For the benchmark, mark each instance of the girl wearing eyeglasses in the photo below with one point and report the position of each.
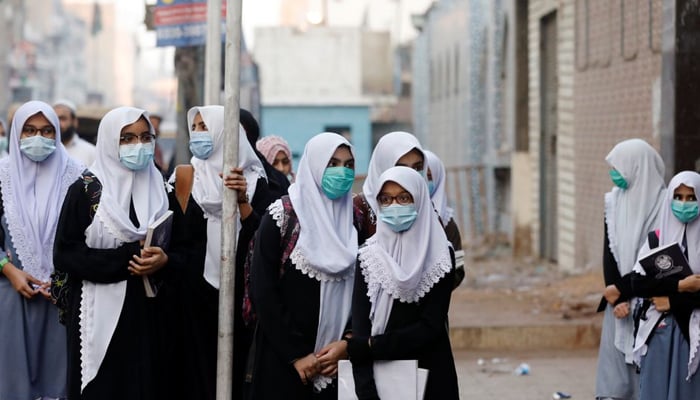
(393, 149)
(34, 179)
(112, 339)
(402, 289)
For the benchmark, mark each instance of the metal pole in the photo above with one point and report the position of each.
(224, 364)
(212, 66)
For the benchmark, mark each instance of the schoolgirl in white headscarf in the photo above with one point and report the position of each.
(207, 188)
(632, 209)
(403, 286)
(197, 254)
(34, 179)
(303, 305)
(668, 339)
(391, 150)
(104, 220)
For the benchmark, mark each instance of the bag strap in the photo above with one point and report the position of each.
(184, 175)
(290, 231)
(653, 238)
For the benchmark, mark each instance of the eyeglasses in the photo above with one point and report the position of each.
(29, 130)
(402, 198)
(133, 139)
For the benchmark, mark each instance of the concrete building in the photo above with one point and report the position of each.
(323, 79)
(462, 91)
(540, 93)
(109, 54)
(33, 64)
(64, 49)
(594, 81)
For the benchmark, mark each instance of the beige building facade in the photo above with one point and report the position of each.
(597, 84)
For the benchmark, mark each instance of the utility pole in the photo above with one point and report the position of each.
(224, 362)
(5, 33)
(212, 66)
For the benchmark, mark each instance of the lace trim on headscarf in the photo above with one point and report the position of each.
(377, 275)
(24, 249)
(86, 325)
(109, 224)
(303, 265)
(276, 210)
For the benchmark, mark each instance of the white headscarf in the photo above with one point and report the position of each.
(672, 231)
(101, 304)
(327, 246)
(632, 213)
(386, 154)
(207, 188)
(405, 265)
(439, 197)
(33, 193)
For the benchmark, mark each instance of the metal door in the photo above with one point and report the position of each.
(549, 86)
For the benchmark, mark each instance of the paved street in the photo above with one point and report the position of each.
(572, 372)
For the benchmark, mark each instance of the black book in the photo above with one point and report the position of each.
(158, 235)
(666, 262)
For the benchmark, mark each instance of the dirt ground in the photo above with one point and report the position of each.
(501, 290)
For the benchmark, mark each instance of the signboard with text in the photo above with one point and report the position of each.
(182, 23)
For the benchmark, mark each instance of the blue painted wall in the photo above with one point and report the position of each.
(297, 124)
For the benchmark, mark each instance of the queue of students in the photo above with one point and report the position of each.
(322, 274)
(77, 322)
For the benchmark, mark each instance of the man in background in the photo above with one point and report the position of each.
(77, 147)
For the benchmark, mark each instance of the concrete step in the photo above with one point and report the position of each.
(570, 335)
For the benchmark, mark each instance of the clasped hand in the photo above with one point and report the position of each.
(324, 362)
(152, 259)
(25, 284)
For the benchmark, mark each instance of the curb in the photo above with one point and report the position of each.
(562, 336)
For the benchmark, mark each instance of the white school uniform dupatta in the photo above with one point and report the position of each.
(101, 304)
(326, 249)
(33, 193)
(405, 265)
(631, 214)
(207, 187)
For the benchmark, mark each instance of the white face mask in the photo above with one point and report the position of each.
(37, 148)
(136, 156)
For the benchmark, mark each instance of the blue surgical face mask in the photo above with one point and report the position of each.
(37, 148)
(3, 143)
(431, 188)
(399, 217)
(201, 144)
(337, 181)
(618, 179)
(685, 211)
(136, 156)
